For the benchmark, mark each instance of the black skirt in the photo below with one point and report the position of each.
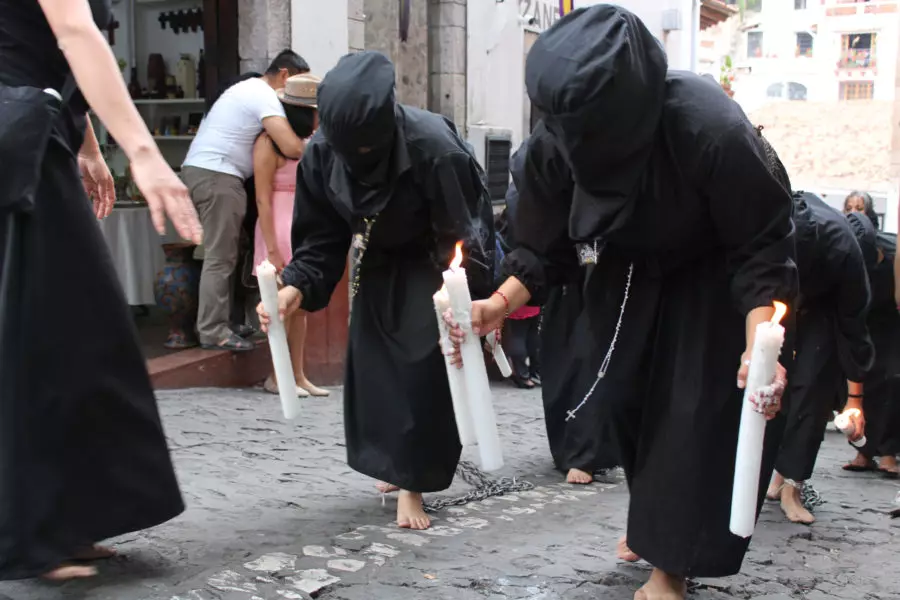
(83, 456)
(569, 367)
(398, 413)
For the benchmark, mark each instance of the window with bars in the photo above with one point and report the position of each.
(804, 44)
(754, 44)
(497, 152)
(857, 90)
(858, 51)
(799, 4)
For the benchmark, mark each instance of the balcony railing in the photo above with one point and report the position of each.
(857, 59)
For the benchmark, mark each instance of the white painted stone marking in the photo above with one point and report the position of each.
(519, 510)
(272, 563)
(351, 536)
(323, 552)
(382, 550)
(505, 518)
(289, 594)
(442, 531)
(347, 565)
(312, 580)
(230, 581)
(410, 539)
(470, 522)
(455, 510)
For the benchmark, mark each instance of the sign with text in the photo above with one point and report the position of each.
(542, 13)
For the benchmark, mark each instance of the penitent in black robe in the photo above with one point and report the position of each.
(83, 455)
(669, 177)
(833, 342)
(570, 361)
(398, 414)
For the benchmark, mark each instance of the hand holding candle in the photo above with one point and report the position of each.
(760, 392)
(477, 388)
(848, 423)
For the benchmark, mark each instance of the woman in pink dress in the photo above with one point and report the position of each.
(276, 178)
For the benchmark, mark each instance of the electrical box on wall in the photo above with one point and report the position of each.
(671, 20)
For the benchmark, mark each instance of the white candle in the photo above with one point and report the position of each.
(278, 346)
(763, 363)
(478, 390)
(842, 422)
(499, 356)
(455, 376)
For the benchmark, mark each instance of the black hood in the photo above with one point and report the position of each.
(866, 236)
(598, 76)
(357, 109)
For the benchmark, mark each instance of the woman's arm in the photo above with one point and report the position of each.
(90, 147)
(265, 162)
(100, 81)
(97, 73)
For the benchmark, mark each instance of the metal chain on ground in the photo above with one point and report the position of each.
(484, 487)
(810, 497)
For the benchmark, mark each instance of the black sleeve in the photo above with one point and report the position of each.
(461, 210)
(544, 255)
(852, 298)
(319, 236)
(752, 216)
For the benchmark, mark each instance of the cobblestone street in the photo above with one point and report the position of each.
(274, 513)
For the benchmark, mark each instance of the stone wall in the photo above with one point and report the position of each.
(356, 24)
(382, 33)
(447, 59)
(264, 30)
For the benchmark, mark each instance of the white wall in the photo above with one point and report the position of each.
(495, 74)
(319, 32)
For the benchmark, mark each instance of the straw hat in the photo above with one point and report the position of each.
(300, 90)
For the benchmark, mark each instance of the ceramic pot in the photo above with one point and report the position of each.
(177, 288)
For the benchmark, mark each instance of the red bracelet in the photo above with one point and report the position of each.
(505, 301)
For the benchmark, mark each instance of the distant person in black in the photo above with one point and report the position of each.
(83, 455)
(883, 380)
(663, 180)
(833, 344)
(401, 184)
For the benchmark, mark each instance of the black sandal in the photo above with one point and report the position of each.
(522, 382)
(243, 331)
(233, 343)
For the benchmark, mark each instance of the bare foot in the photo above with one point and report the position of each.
(94, 552)
(312, 390)
(410, 513)
(624, 552)
(662, 586)
(888, 466)
(579, 477)
(793, 508)
(774, 491)
(68, 572)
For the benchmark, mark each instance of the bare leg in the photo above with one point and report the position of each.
(775, 487)
(271, 383)
(792, 506)
(888, 464)
(662, 586)
(579, 477)
(297, 343)
(624, 552)
(410, 512)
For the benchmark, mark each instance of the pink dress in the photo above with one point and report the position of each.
(282, 211)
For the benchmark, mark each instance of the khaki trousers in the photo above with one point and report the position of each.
(221, 203)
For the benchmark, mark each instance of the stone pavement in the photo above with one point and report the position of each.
(274, 513)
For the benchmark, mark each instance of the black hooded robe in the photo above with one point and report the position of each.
(882, 384)
(833, 342)
(398, 414)
(83, 456)
(570, 361)
(670, 180)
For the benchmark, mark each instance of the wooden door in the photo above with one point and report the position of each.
(220, 41)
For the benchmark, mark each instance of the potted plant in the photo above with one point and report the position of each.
(726, 76)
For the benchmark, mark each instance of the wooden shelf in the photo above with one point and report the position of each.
(174, 138)
(150, 101)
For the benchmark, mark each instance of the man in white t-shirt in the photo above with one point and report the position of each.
(219, 161)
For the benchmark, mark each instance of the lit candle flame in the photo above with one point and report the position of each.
(457, 258)
(780, 311)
